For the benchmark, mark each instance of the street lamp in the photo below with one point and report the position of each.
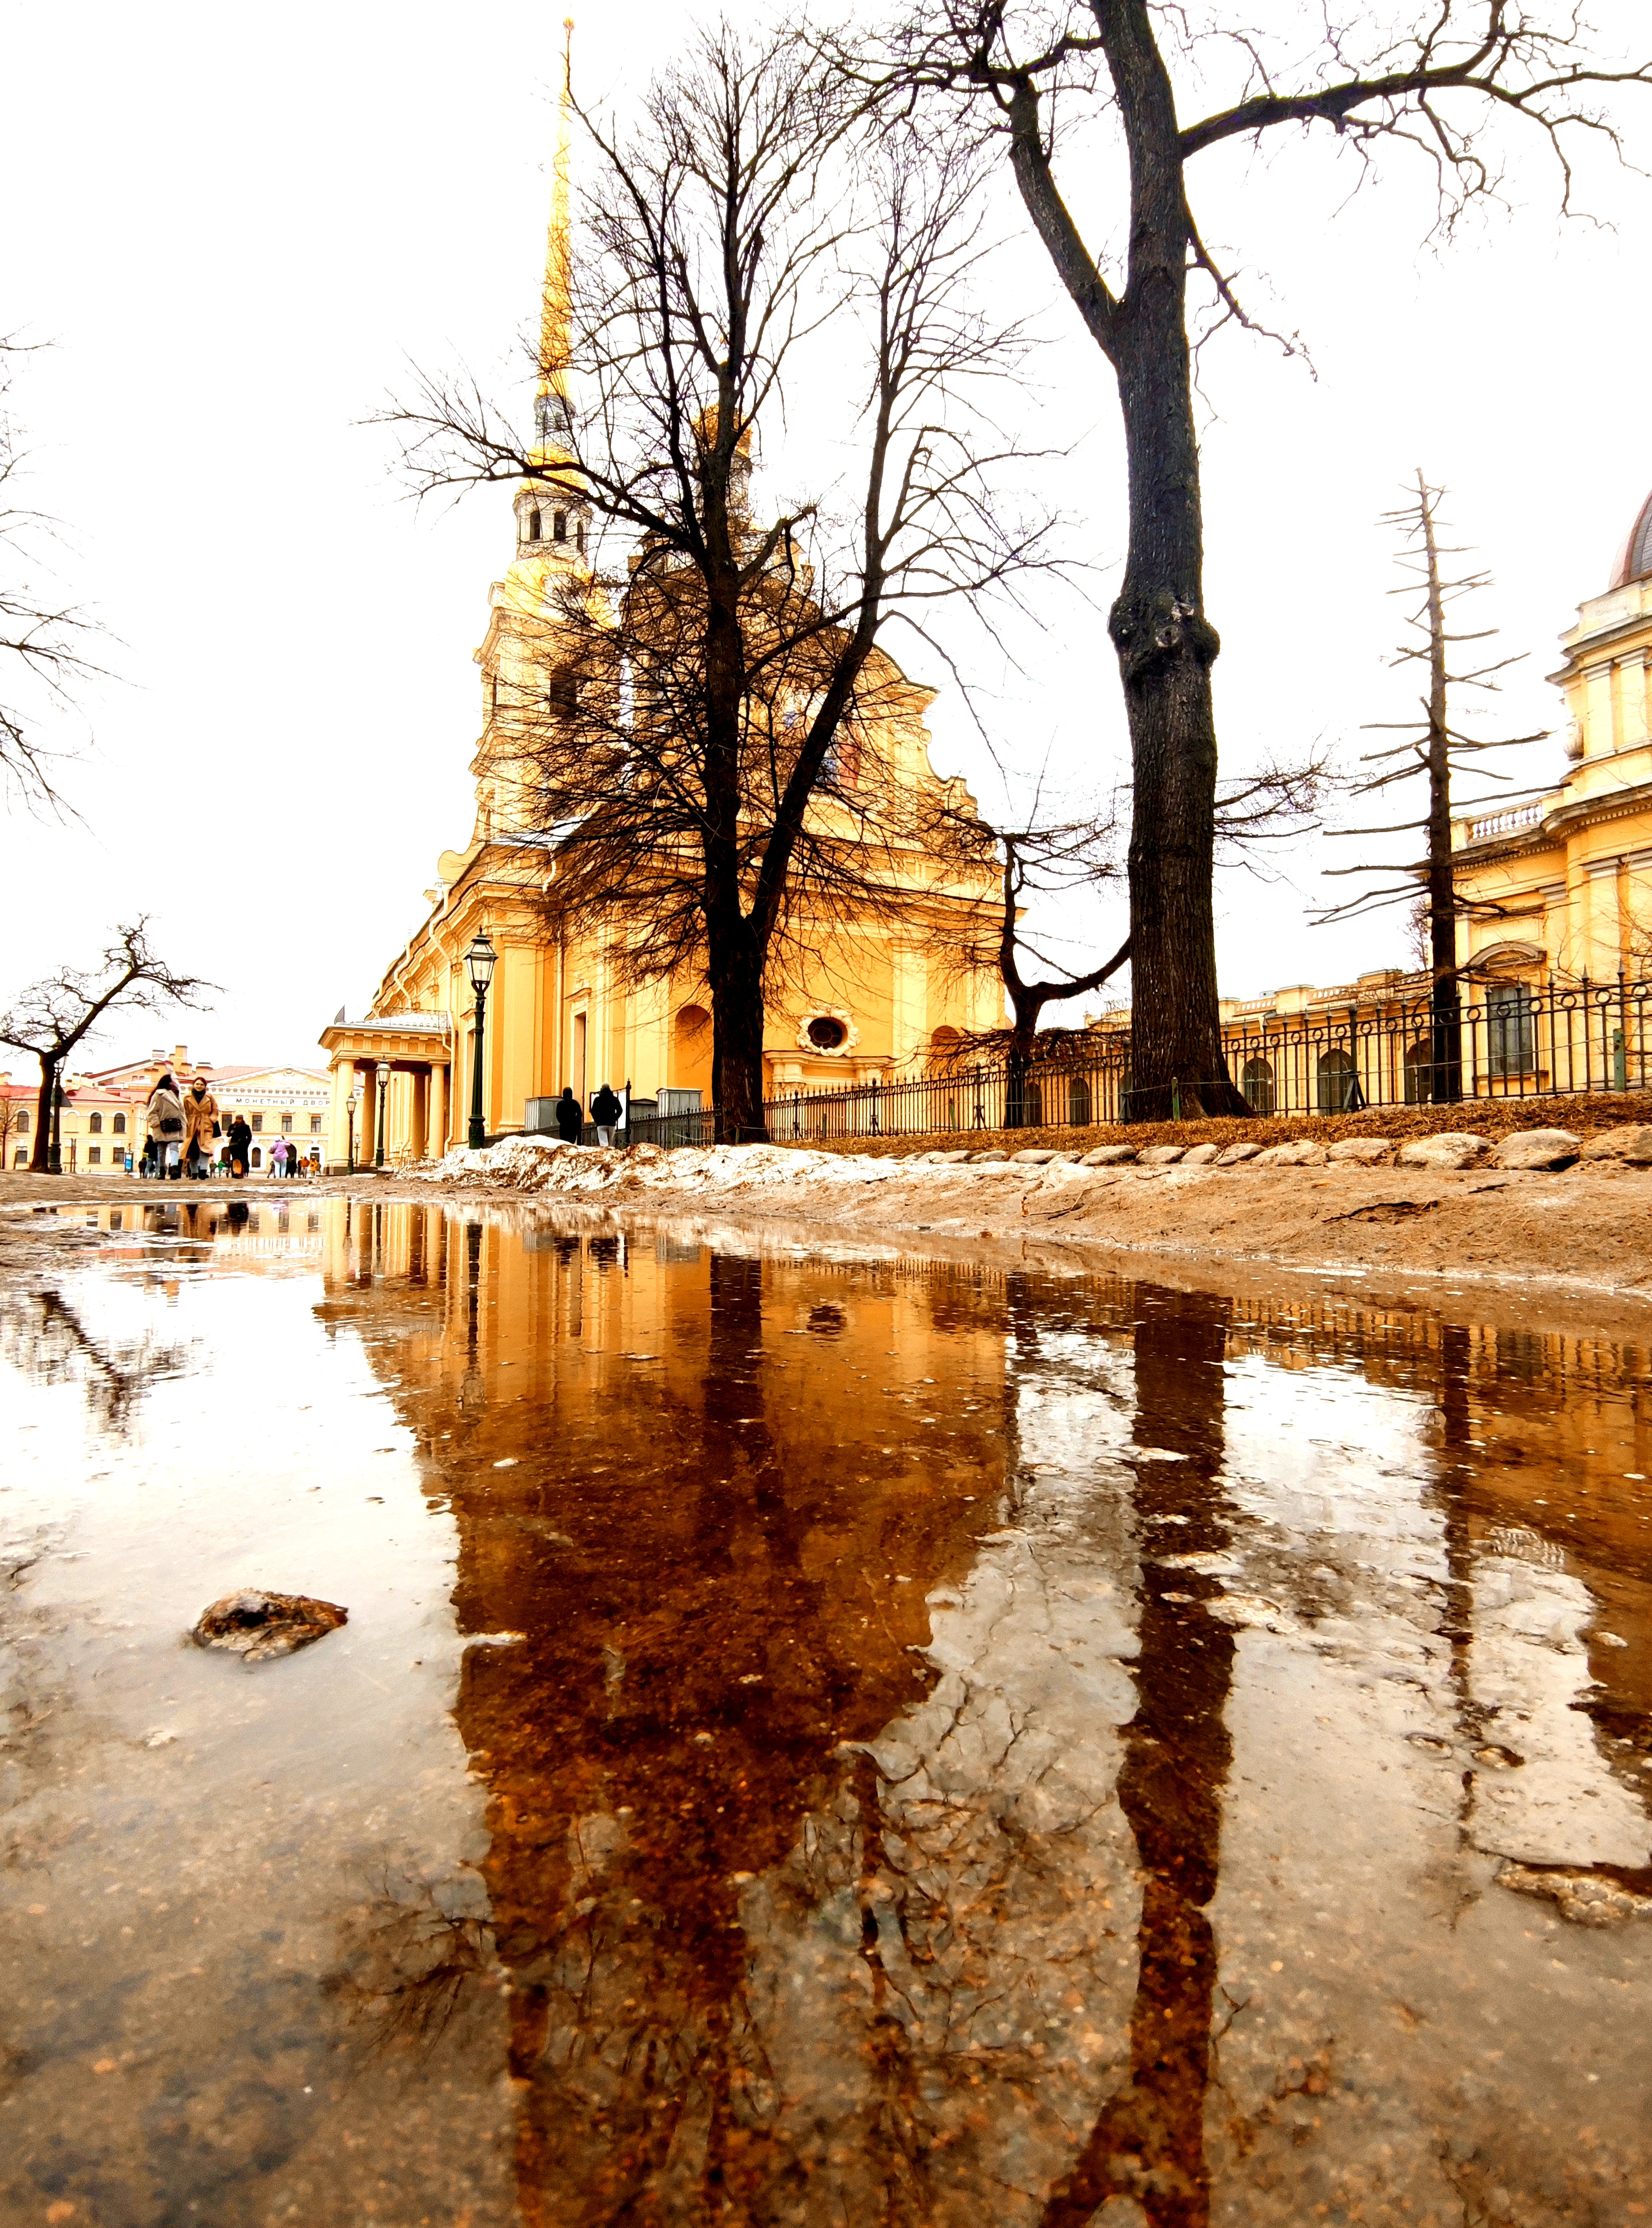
(55, 1157)
(383, 1073)
(349, 1150)
(480, 959)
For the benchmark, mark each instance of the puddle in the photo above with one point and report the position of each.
(815, 1740)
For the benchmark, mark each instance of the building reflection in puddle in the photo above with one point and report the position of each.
(953, 1744)
(859, 1700)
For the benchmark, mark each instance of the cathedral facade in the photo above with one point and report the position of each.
(858, 995)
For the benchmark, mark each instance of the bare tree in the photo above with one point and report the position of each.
(1434, 748)
(1038, 73)
(44, 657)
(52, 1017)
(1051, 856)
(709, 754)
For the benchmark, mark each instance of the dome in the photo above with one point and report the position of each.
(1635, 557)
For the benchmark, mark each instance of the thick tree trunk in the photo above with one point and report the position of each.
(1166, 647)
(41, 1154)
(735, 971)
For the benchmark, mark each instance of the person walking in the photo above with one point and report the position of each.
(200, 1120)
(570, 1116)
(605, 1111)
(240, 1144)
(279, 1157)
(163, 1123)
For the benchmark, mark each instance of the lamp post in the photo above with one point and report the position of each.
(349, 1148)
(480, 959)
(383, 1076)
(55, 1157)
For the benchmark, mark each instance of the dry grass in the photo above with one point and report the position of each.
(1487, 1117)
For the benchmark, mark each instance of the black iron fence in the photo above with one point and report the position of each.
(1507, 1040)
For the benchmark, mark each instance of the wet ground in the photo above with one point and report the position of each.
(817, 1739)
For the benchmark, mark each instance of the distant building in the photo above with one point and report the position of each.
(103, 1113)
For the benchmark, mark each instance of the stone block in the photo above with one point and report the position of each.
(1200, 1156)
(948, 1160)
(1299, 1154)
(1538, 1149)
(1108, 1157)
(1453, 1148)
(1236, 1154)
(1362, 1151)
(1160, 1157)
(992, 1152)
(1631, 1141)
(1034, 1157)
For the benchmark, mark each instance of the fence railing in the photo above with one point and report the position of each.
(1508, 1041)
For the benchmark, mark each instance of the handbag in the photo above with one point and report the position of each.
(172, 1126)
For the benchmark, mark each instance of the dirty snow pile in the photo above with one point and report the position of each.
(547, 1164)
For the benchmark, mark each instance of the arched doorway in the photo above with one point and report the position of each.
(1257, 1082)
(1336, 1080)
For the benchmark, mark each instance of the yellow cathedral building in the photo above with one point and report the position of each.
(864, 997)
(1561, 885)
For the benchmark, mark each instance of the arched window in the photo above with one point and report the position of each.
(1336, 1080)
(94, 1123)
(1419, 1072)
(118, 1125)
(533, 526)
(22, 1120)
(559, 525)
(578, 537)
(1079, 1101)
(1257, 1082)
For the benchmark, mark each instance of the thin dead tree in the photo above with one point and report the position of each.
(44, 659)
(752, 258)
(1040, 74)
(52, 1017)
(1432, 749)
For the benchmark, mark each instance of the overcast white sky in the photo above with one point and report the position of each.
(237, 229)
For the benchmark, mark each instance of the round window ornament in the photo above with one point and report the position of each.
(829, 1030)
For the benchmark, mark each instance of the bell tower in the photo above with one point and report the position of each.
(552, 518)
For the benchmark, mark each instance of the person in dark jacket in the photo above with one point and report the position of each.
(240, 1144)
(605, 1111)
(570, 1116)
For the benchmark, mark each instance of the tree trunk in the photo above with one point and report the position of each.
(42, 1153)
(1445, 1077)
(1018, 1063)
(734, 969)
(1166, 647)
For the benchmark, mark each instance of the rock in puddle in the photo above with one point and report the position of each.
(1586, 1898)
(258, 1624)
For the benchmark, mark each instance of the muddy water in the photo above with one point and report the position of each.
(816, 1740)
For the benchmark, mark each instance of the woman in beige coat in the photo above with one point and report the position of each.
(200, 1116)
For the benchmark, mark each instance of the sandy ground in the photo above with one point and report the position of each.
(1585, 1229)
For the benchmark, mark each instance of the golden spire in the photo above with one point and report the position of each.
(555, 315)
